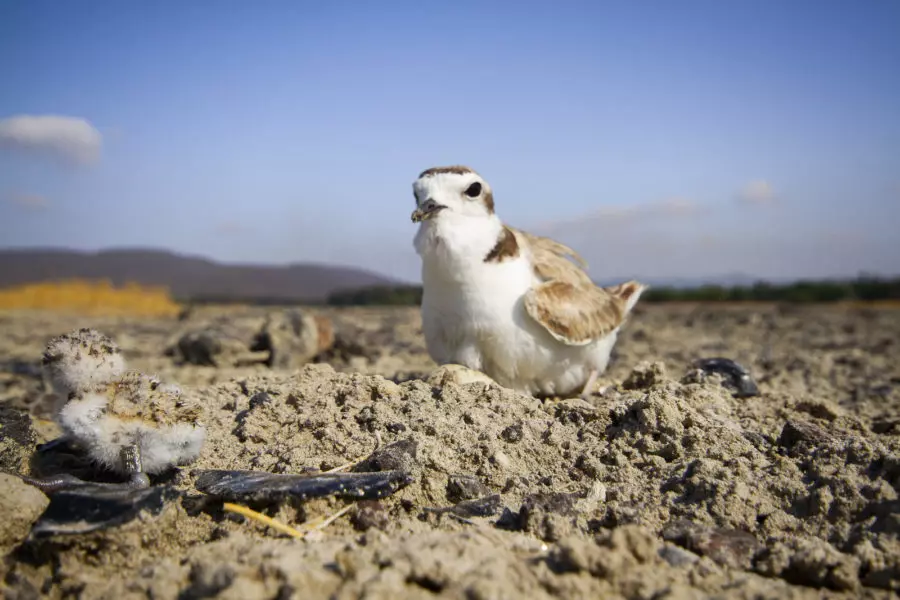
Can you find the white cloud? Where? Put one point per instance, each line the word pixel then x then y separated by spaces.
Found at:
pixel 688 252
pixel 626 215
pixel 757 192
pixel 29 201
pixel 231 228
pixel 676 206
pixel 69 138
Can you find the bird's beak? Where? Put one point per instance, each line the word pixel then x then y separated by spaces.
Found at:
pixel 426 211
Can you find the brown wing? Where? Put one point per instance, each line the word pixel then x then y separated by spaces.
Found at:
pixel 567 303
pixel 138 396
pixel 551 259
pixel 580 314
pixel 547 245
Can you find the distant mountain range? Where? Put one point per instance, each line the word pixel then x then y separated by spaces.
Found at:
pixel 192 277
pixel 185 276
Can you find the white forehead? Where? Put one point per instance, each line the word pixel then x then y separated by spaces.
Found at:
pixel 445 181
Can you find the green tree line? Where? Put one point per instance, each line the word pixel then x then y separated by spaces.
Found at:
pixel 380 295
pixel 863 288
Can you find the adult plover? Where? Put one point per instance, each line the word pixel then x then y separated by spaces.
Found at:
pixel 506 302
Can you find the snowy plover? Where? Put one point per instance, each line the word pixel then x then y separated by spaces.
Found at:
pixel 506 302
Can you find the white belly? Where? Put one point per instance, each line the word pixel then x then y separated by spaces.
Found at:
pixel 477 319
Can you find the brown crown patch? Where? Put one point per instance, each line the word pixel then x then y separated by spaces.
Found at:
pixel 506 247
pixel 452 170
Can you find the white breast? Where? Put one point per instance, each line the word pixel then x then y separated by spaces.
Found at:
pixel 473 315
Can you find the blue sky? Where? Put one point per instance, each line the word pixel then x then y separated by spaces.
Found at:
pixel 661 139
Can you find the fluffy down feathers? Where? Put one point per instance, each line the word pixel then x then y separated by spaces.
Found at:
pixel 105 408
pixel 78 360
pixel 135 409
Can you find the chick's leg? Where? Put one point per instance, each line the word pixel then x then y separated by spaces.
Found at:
pixel 131 463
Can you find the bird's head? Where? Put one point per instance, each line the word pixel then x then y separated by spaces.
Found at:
pixel 453 190
pixel 77 360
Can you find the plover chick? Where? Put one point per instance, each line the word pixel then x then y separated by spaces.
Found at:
pixel 132 423
pixel 506 302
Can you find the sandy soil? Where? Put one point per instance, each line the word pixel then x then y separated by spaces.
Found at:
pixel 662 486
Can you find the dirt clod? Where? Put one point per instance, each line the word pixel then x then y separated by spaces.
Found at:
pixel 21 505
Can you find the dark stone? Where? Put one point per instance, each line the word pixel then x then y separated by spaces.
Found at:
pixel 549 516
pixel 736 377
pixel 369 514
pixel 17 439
pixel 396 428
pixel 399 455
pixel 199 347
pixel 677 557
pixel 478 507
pixel 465 487
pixel 512 434
pixel 796 433
pixel 487 506
pixel 727 547
pixel 259 399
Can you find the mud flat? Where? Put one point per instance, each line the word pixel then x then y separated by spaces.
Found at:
pixel 663 485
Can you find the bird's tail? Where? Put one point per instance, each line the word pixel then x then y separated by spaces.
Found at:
pixel 630 292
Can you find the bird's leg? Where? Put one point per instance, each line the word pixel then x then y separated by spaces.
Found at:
pixel 589 385
pixel 131 462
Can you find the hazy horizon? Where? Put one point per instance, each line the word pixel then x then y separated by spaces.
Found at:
pixel 726 279
pixel 669 142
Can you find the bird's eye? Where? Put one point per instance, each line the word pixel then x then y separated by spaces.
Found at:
pixel 474 190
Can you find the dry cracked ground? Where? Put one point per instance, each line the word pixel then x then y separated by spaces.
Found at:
pixel 663 485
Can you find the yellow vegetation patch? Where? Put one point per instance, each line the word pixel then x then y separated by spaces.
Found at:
pixel 91 297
